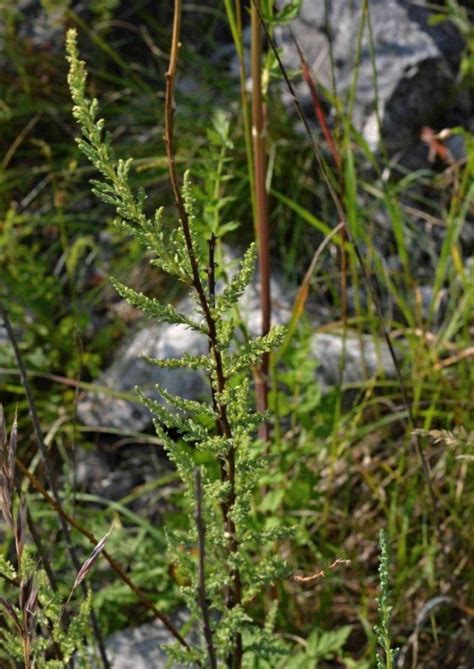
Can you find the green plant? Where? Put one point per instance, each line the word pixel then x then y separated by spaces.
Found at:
pixel 324 450
pixel 218 437
pixel 333 463
pixel 383 630
pixel 39 630
pixel 320 646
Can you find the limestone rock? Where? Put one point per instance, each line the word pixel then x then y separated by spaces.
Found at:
pixel 364 357
pixel 415 62
pixel 140 648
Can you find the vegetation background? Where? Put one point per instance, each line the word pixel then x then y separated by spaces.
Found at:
pixel 343 463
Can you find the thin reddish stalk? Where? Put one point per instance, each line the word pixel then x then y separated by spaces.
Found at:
pixel 202 594
pixel 332 146
pixel 328 136
pixel 223 426
pixel 318 108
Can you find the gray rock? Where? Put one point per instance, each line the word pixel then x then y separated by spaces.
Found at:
pixel 112 473
pixel 415 63
pixel 364 356
pixel 130 370
pixel 139 648
pixel 41 28
pixel 164 341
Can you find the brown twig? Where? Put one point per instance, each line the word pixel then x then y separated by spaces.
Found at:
pixel 183 215
pixel 320 574
pixel 211 270
pixel 222 423
pixel 202 595
pixel 211 290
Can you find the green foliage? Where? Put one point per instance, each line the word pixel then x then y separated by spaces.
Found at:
pixel 55 5
pixel 222 434
pixel 104 9
pixel 160 312
pixel 35 627
pixel 321 646
pixel 383 630
pixel 288 12
pixel 214 175
pixel 459 16
pixel 65 641
pixel 239 282
pixel 336 459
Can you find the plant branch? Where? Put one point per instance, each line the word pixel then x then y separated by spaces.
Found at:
pixel 184 218
pixel 223 425
pixel 202 595
pixel 41 550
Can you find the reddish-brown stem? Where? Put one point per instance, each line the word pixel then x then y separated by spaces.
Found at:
pixel 328 136
pixel 319 111
pixel 211 270
pixel 183 215
pixel 261 208
pixel 223 425
pixel 332 146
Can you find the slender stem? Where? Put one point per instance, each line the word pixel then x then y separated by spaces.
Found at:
pixel 332 146
pixel 211 289
pixel 49 476
pixel 26 646
pixel 211 270
pixel 202 594
pixel 261 208
pixel 336 155
pixel 183 215
pixel 222 423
